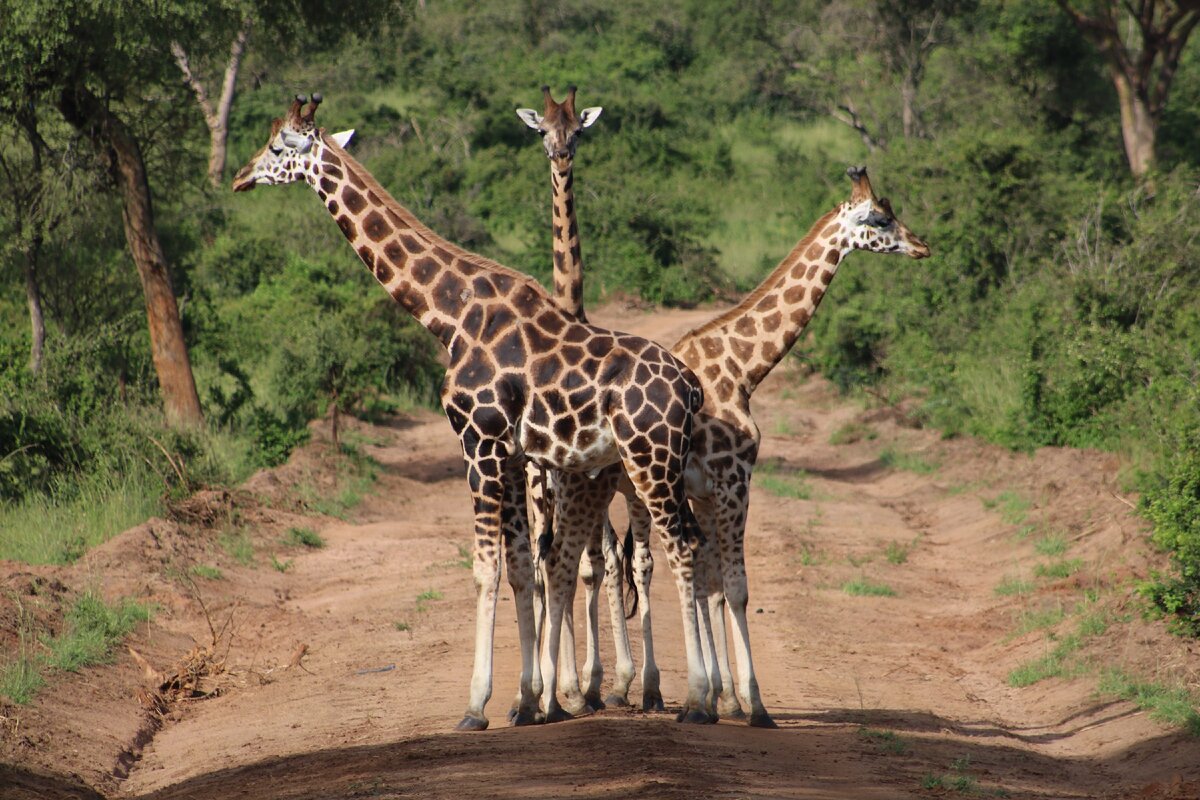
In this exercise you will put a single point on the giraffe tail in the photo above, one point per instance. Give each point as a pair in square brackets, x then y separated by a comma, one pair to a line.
[692, 531]
[631, 595]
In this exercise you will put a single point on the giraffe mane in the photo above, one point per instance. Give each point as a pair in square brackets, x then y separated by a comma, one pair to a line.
[421, 228]
[766, 287]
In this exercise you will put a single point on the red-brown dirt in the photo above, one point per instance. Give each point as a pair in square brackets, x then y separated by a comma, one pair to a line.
[343, 676]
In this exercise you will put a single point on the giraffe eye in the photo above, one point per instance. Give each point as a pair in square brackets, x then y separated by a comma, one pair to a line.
[276, 149]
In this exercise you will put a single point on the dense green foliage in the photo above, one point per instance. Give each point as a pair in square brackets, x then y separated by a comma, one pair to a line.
[1060, 307]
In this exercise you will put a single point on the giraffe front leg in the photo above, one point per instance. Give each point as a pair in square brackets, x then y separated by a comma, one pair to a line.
[733, 567]
[643, 572]
[706, 575]
[562, 569]
[488, 494]
[708, 555]
[591, 572]
[535, 492]
[519, 561]
[614, 582]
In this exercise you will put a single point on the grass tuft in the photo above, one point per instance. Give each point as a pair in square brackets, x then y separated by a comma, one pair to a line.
[1063, 568]
[1053, 544]
[861, 587]
[853, 432]
[92, 628]
[910, 462]
[305, 537]
[1013, 586]
[207, 572]
[1172, 705]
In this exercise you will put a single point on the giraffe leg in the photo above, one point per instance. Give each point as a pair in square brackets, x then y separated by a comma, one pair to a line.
[732, 522]
[643, 572]
[499, 511]
[568, 672]
[664, 497]
[562, 571]
[725, 695]
[592, 570]
[614, 586]
[535, 491]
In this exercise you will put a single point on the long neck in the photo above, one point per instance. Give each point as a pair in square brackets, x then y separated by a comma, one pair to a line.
[745, 343]
[568, 259]
[436, 281]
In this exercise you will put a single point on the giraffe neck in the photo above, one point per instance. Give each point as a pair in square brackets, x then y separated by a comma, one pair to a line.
[568, 258]
[435, 280]
[745, 343]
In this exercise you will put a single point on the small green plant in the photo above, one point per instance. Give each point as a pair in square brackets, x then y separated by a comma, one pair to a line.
[207, 572]
[1053, 544]
[931, 781]
[1033, 619]
[861, 587]
[305, 537]
[1013, 506]
[427, 596]
[236, 542]
[91, 630]
[783, 427]
[466, 559]
[1013, 586]
[896, 553]
[403, 627]
[853, 432]
[790, 484]
[1174, 706]
[808, 556]
[888, 741]
[910, 462]
[21, 678]
[282, 566]
[1063, 568]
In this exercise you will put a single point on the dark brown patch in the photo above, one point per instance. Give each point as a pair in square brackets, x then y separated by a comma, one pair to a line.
[746, 326]
[333, 207]
[353, 200]
[347, 226]
[510, 350]
[812, 271]
[329, 158]
[376, 227]
[771, 321]
[367, 256]
[328, 185]
[814, 251]
[447, 294]
[795, 294]
[833, 256]
[826, 277]
[424, 269]
[395, 253]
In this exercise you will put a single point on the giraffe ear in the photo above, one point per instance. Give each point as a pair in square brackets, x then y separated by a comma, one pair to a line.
[590, 115]
[530, 117]
[342, 138]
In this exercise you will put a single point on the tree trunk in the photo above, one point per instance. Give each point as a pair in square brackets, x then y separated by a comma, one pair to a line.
[168, 349]
[1138, 126]
[908, 113]
[217, 119]
[37, 321]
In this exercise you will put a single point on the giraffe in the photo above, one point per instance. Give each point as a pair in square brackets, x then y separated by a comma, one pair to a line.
[582, 496]
[732, 354]
[524, 381]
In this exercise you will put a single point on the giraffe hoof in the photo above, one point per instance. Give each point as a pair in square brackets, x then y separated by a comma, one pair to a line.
[694, 717]
[470, 723]
[579, 707]
[652, 703]
[522, 718]
[616, 701]
[593, 702]
[761, 719]
[558, 715]
[731, 710]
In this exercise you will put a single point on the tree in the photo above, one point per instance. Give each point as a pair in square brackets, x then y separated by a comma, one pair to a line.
[1141, 41]
[100, 65]
[842, 54]
[279, 26]
[216, 117]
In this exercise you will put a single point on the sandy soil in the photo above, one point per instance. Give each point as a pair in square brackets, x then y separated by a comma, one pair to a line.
[876, 696]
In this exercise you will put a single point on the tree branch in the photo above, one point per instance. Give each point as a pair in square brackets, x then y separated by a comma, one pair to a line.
[194, 83]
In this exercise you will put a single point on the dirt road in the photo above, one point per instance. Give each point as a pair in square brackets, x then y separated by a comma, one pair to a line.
[882, 642]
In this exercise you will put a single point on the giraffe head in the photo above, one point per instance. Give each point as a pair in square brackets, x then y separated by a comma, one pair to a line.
[559, 125]
[292, 150]
[868, 223]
